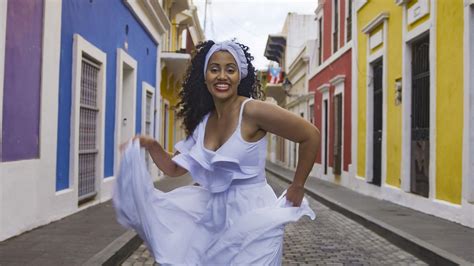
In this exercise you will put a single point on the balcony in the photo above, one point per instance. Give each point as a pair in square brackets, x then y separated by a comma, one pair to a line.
[176, 62]
[275, 48]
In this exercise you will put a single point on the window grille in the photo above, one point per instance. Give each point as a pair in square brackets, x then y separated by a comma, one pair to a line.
[88, 115]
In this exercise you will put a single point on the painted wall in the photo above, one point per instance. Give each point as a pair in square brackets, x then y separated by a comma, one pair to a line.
[394, 112]
[327, 29]
[300, 29]
[169, 91]
[447, 82]
[341, 66]
[393, 72]
[421, 20]
[27, 187]
[449, 99]
[22, 81]
[102, 23]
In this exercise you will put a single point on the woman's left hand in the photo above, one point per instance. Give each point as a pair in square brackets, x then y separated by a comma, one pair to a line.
[295, 194]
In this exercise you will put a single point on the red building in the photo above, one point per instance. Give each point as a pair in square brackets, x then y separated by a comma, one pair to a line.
[331, 82]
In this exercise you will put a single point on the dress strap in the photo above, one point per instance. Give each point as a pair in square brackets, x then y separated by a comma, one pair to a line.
[242, 110]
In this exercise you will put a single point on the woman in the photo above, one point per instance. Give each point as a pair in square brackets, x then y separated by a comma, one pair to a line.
[233, 217]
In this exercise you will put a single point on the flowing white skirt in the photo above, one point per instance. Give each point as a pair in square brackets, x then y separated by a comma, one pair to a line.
[191, 226]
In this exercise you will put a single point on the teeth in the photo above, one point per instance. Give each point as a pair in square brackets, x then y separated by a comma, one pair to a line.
[222, 86]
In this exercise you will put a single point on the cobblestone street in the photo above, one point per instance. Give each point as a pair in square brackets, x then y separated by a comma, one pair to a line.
[332, 239]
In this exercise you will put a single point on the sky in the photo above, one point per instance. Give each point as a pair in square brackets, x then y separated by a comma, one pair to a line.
[249, 21]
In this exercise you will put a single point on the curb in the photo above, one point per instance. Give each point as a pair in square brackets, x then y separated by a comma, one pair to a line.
[117, 251]
[427, 252]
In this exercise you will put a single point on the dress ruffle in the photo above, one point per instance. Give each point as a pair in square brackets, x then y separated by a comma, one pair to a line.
[204, 165]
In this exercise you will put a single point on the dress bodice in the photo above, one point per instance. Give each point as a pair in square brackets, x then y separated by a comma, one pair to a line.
[236, 162]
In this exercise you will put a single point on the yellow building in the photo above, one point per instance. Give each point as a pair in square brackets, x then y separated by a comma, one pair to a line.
[184, 33]
[410, 87]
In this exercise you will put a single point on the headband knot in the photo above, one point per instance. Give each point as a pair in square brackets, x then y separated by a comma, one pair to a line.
[235, 50]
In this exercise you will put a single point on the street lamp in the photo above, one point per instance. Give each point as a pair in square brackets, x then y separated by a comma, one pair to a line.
[287, 85]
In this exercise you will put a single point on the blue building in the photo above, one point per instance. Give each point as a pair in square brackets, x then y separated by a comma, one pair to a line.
[77, 78]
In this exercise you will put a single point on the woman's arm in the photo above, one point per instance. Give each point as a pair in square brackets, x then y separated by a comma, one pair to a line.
[286, 124]
[161, 158]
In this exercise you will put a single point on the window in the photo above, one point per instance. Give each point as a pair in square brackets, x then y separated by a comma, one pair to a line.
[147, 115]
[88, 114]
[87, 119]
[311, 113]
[349, 21]
[335, 29]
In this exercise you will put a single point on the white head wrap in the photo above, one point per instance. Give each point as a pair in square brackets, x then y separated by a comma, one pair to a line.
[235, 50]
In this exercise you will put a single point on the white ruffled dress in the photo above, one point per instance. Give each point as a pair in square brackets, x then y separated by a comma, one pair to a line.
[232, 218]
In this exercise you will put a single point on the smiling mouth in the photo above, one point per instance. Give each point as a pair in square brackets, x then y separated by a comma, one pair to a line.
[222, 87]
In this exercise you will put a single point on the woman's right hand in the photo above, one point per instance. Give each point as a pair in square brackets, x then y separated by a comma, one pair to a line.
[145, 141]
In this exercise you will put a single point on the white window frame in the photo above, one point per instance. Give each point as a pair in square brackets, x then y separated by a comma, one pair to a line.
[123, 58]
[379, 54]
[468, 151]
[408, 38]
[3, 31]
[339, 87]
[80, 47]
[147, 88]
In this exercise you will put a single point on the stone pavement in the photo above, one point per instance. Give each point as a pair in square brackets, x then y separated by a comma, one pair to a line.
[331, 239]
[436, 240]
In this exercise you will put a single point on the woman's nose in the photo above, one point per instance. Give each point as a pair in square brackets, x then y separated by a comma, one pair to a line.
[222, 75]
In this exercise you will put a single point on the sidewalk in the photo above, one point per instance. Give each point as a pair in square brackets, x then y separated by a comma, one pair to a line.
[89, 237]
[436, 240]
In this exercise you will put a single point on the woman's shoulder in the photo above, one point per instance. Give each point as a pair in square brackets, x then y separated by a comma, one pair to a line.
[256, 108]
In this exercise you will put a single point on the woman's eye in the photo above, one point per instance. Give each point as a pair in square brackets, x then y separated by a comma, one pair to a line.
[231, 70]
[214, 70]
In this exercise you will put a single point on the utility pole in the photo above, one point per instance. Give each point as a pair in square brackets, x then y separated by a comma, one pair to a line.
[205, 16]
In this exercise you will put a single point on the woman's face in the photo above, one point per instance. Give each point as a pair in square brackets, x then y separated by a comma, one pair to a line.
[222, 75]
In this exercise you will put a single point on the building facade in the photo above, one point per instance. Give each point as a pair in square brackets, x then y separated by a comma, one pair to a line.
[294, 51]
[178, 44]
[331, 82]
[412, 105]
[77, 79]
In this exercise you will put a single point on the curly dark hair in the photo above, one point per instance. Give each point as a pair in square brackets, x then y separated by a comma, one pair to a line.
[196, 101]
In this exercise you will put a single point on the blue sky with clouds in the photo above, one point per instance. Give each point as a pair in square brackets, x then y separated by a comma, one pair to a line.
[250, 21]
